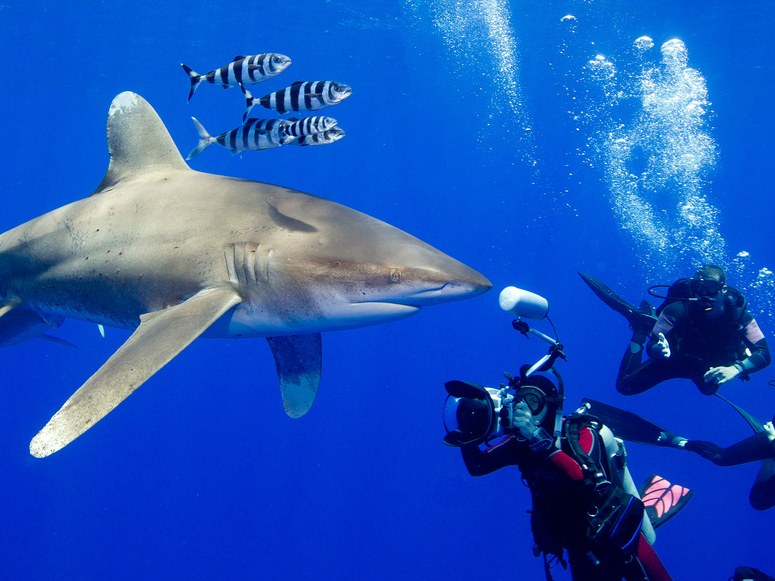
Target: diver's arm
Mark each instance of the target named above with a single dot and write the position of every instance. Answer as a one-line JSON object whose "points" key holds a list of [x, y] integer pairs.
{"points": [[480, 462], [760, 350], [757, 360]]}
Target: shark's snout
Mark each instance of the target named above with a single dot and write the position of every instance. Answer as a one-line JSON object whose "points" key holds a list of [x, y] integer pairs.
{"points": [[450, 291]]}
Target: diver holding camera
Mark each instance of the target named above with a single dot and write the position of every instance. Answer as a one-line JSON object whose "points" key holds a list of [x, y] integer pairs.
{"points": [[585, 504]]}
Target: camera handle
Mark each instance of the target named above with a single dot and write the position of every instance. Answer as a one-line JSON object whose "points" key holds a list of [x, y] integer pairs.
{"points": [[546, 363]]}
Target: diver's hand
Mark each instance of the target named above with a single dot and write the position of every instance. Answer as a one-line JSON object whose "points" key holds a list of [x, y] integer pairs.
{"points": [[522, 420], [720, 375], [770, 431], [661, 348]]}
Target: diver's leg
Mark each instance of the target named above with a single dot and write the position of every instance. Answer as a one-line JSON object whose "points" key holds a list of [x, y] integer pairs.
{"points": [[586, 567], [635, 377], [756, 447], [651, 562], [762, 495], [694, 368], [753, 448]]}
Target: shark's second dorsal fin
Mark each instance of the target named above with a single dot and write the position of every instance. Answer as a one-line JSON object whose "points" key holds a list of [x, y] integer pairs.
{"points": [[138, 141]]}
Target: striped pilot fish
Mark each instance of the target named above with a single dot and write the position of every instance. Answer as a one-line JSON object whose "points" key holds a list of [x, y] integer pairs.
{"points": [[255, 134], [309, 125], [241, 71], [329, 136], [300, 96]]}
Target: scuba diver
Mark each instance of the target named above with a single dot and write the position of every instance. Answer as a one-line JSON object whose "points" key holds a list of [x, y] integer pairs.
{"points": [[703, 331], [759, 446], [585, 503], [750, 574]]}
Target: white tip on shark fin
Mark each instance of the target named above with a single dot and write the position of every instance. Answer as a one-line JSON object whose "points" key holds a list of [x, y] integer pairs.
{"points": [[138, 141], [159, 338]]}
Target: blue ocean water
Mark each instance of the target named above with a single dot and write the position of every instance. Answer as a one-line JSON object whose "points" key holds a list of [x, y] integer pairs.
{"points": [[530, 140]]}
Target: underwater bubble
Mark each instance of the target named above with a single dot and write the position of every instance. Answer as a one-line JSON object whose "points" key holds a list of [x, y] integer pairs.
{"points": [[568, 18], [674, 54], [649, 137], [480, 40], [644, 43], [601, 69]]}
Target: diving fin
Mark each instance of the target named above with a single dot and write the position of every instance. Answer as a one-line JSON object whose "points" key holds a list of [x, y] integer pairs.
{"points": [[633, 428], [663, 499], [767, 470], [750, 574], [641, 318]]}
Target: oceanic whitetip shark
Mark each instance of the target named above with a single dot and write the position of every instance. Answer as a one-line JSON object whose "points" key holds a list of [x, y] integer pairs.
{"points": [[174, 254]]}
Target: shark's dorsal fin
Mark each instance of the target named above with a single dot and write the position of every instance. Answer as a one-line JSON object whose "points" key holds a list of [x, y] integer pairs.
{"points": [[138, 141]]}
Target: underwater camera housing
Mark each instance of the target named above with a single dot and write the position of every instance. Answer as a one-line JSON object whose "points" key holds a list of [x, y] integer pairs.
{"points": [[474, 414]]}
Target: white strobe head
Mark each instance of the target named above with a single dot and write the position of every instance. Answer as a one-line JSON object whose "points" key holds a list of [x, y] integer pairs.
{"points": [[523, 303]]}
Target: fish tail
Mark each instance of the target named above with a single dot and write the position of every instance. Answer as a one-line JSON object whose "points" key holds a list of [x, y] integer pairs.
{"points": [[205, 139], [249, 102], [194, 77]]}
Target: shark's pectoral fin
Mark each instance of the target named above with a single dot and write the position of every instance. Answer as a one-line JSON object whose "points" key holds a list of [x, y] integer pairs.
{"points": [[8, 306], [299, 361], [59, 341], [160, 337]]}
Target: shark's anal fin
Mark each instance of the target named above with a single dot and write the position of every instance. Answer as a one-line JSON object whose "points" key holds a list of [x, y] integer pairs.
{"points": [[299, 362], [160, 337]]}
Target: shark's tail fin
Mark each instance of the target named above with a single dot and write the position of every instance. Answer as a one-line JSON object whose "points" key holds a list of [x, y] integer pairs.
{"points": [[249, 102], [194, 77], [205, 139]]}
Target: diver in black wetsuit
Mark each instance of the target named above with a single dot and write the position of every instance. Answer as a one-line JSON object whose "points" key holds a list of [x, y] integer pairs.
{"points": [[760, 446], [709, 337]]}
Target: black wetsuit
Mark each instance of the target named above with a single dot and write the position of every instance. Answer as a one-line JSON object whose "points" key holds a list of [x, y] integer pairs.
{"points": [[559, 516], [697, 343], [756, 447]]}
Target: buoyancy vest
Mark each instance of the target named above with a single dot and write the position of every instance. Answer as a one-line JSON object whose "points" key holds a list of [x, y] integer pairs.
{"points": [[595, 515]]}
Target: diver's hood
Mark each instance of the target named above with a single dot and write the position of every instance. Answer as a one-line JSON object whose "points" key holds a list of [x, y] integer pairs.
{"points": [[469, 414]]}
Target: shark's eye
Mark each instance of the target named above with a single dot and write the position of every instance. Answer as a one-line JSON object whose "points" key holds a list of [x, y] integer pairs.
{"points": [[395, 275]]}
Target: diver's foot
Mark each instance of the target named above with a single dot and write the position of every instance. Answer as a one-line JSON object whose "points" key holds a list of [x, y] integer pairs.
{"points": [[670, 440]]}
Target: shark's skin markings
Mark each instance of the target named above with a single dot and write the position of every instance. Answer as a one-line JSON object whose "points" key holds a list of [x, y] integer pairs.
{"points": [[174, 254]]}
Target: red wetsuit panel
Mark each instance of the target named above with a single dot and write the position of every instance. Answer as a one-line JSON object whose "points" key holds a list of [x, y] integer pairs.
{"points": [[651, 561]]}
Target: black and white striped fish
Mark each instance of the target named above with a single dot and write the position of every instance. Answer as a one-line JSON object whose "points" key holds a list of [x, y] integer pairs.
{"points": [[300, 96], [309, 125], [241, 71], [323, 138], [255, 134]]}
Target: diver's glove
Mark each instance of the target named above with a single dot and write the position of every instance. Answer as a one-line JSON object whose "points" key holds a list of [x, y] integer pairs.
{"points": [[522, 420], [537, 437], [660, 349], [720, 375], [770, 431]]}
